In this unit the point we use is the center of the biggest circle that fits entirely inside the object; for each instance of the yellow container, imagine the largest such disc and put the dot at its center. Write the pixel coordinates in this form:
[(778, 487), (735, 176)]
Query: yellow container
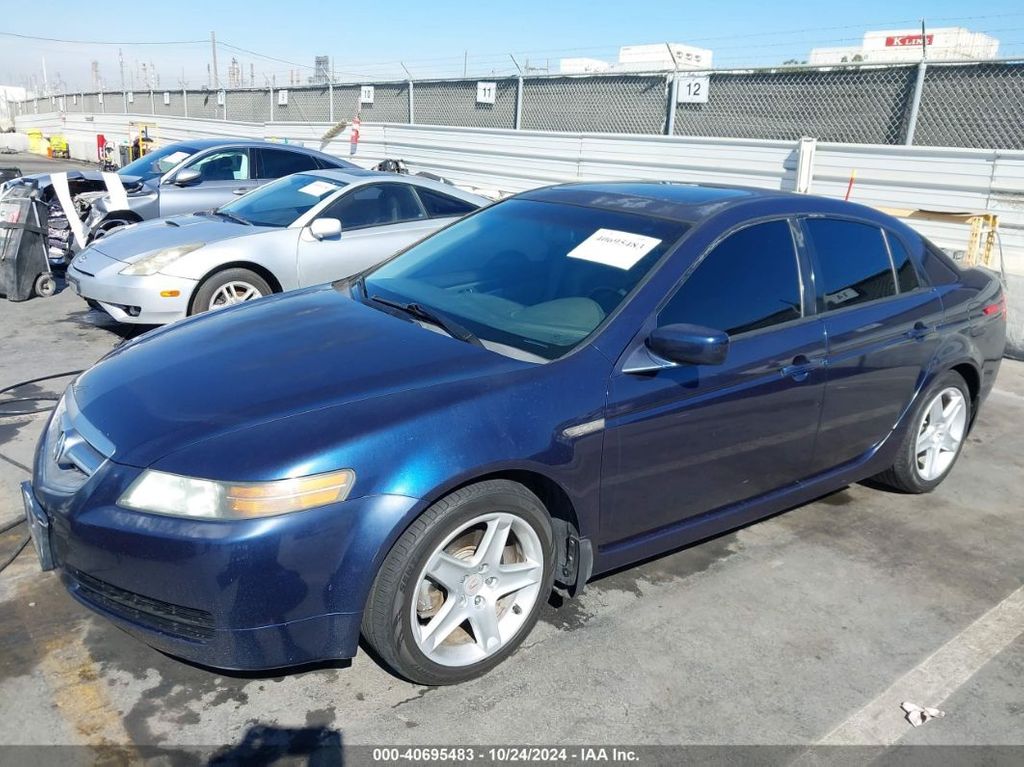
[(36, 142)]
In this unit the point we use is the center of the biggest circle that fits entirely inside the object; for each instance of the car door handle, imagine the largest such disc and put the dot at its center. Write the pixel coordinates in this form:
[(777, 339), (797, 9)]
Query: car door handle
[(801, 367), (239, 191), (920, 330)]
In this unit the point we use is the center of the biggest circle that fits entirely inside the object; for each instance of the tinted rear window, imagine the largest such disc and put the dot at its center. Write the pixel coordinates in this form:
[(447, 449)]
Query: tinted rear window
[(853, 261), (439, 205)]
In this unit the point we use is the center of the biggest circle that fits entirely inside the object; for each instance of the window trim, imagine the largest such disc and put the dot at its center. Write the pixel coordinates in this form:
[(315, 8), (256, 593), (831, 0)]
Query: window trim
[(822, 310), (354, 189), (807, 310)]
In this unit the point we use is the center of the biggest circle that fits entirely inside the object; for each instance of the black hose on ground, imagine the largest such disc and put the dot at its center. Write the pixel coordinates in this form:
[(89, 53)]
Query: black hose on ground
[(40, 398), (7, 414)]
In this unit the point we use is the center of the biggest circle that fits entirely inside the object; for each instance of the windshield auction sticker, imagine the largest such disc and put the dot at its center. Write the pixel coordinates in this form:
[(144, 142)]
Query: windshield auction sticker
[(317, 188), (614, 248)]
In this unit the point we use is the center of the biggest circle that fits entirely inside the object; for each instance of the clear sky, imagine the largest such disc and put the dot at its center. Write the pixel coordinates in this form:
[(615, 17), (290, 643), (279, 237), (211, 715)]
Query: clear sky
[(368, 39)]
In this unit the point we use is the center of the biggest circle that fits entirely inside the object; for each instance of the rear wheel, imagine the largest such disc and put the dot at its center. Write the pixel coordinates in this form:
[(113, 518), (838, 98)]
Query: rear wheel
[(463, 586), (227, 288), (933, 442)]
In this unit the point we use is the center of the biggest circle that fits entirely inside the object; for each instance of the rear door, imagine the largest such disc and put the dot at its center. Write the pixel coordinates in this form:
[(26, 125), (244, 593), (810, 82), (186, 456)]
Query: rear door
[(226, 173), (688, 439), (881, 322), (377, 220)]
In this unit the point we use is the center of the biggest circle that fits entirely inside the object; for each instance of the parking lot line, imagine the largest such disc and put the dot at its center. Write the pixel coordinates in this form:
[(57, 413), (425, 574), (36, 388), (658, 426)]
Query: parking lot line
[(937, 677)]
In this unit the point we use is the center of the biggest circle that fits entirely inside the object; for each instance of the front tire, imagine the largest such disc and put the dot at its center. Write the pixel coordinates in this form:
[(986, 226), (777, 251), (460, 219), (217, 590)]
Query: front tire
[(463, 586), (227, 288), (935, 438)]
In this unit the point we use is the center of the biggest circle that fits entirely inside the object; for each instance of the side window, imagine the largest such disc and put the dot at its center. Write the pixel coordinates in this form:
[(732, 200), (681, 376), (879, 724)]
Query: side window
[(854, 262), (906, 275), (750, 280), (375, 205), (227, 165), (276, 163), (439, 205)]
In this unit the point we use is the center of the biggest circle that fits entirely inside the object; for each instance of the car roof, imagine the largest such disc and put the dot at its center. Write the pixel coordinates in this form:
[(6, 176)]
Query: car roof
[(208, 143), (694, 203), (357, 176)]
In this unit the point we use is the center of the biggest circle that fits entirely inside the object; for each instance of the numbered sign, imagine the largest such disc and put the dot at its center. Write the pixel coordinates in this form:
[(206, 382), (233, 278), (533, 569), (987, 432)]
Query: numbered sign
[(167, 98), (74, 99), (366, 94), (131, 97), (282, 98), (220, 98), (692, 90), (485, 93), (99, 97)]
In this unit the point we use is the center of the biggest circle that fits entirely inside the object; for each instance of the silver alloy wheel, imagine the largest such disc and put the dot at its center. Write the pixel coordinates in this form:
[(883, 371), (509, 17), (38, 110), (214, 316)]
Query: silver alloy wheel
[(477, 589), (941, 432), (234, 292)]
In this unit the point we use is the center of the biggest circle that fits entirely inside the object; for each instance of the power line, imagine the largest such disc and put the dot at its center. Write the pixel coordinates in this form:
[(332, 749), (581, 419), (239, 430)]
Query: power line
[(99, 42)]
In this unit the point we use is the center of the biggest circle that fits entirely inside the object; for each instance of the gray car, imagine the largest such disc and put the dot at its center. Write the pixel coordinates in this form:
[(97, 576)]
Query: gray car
[(183, 177), (301, 230)]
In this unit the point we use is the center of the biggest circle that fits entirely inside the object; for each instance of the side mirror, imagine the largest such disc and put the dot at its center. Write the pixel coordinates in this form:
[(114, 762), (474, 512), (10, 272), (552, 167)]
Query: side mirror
[(689, 344), (188, 177), (325, 229)]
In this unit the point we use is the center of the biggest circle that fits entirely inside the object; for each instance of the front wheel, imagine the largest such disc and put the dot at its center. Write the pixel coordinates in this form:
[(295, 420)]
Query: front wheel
[(463, 586), (935, 438), (227, 288)]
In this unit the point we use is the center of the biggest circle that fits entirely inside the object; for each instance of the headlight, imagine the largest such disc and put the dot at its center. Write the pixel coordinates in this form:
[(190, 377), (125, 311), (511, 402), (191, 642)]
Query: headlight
[(162, 493), (158, 259)]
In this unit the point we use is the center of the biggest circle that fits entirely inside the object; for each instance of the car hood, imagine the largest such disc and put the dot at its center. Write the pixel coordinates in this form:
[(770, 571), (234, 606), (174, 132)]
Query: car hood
[(43, 179), (133, 242), (278, 357)]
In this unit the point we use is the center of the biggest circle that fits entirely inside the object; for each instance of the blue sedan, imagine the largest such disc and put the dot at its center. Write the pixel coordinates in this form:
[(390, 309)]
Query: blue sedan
[(559, 385)]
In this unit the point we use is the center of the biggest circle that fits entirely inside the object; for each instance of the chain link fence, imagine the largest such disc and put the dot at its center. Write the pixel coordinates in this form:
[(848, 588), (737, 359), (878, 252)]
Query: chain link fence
[(607, 104), (457, 102), (862, 105), (961, 105), (981, 106)]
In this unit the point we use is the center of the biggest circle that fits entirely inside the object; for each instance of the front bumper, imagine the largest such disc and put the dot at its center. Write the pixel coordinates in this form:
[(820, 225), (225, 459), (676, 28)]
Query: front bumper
[(245, 595), (126, 298)]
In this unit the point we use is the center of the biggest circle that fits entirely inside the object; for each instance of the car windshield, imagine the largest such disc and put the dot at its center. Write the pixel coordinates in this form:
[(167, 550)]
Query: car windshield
[(536, 276), (280, 202), (157, 162)]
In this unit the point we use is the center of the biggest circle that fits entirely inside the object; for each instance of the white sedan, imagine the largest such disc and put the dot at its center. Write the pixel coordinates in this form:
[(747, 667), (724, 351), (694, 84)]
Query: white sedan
[(300, 230)]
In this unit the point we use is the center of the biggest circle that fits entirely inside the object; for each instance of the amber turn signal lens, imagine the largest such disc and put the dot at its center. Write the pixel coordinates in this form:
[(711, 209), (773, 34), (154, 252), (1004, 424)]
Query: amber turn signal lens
[(170, 293), (265, 498)]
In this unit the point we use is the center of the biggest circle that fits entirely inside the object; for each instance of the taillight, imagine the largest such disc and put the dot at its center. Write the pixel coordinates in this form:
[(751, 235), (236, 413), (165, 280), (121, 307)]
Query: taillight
[(999, 307)]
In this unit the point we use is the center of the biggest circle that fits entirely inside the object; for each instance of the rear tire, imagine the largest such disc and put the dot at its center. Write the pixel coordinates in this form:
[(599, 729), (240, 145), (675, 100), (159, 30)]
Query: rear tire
[(227, 288), (463, 586), (936, 435)]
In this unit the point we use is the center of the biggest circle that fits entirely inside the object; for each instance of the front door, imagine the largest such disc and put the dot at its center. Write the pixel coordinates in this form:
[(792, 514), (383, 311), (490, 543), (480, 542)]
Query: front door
[(689, 439), (226, 173)]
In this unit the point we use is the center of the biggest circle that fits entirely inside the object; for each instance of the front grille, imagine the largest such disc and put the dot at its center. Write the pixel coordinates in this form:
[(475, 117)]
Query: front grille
[(185, 622), (68, 457)]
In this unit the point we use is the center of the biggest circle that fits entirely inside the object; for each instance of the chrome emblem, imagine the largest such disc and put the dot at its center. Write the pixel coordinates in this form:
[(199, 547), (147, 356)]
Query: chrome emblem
[(58, 447)]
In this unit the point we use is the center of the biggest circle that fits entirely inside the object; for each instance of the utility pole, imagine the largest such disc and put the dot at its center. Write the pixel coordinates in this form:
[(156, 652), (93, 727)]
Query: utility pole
[(213, 48), (120, 63), (46, 80), (465, 63), (252, 75)]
